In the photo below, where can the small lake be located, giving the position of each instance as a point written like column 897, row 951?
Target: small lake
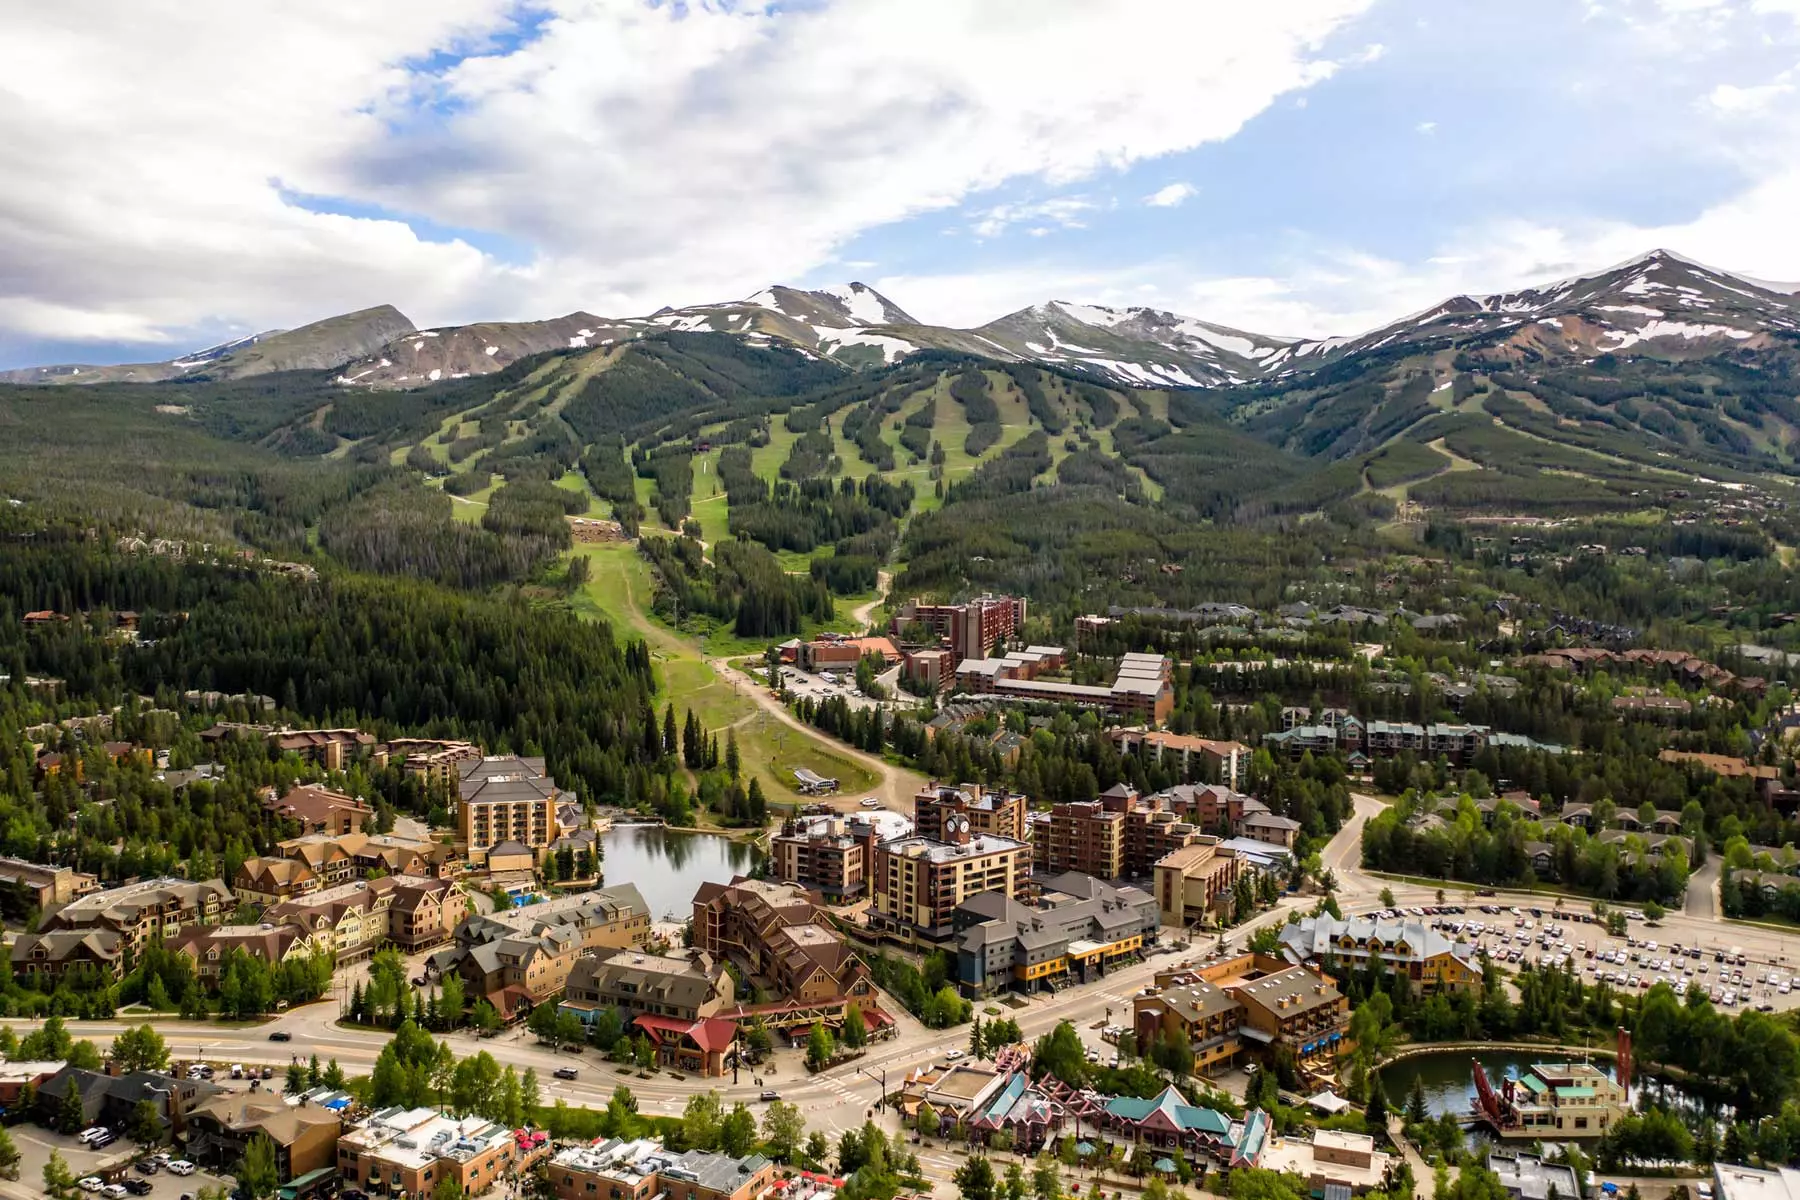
column 668, row 866
column 1449, row 1081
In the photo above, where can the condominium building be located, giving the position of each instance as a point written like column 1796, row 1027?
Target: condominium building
column 332, row 749
column 1296, row 1009
column 989, row 811
column 520, row 958
column 55, row 953
column 778, row 938
column 1430, row 960
column 506, row 799
column 353, row 920
column 1193, row 885
column 414, row 1151
column 338, row 857
column 636, row 984
column 1186, row 1007
column 1196, row 757
column 211, row 946
column 436, row 762
column 639, row 1170
column 829, row 855
column 1083, row 835
column 918, row 882
column 151, row 909
column 266, row 880
column 1079, row 929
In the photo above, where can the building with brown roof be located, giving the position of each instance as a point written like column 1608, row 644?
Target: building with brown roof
column 520, row 958
column 57, row 952
column 506, row 799
column 417, row 1152
column 353, row 920
column 1722, row 765
column 1082, row 835
column 340, row 857
column 775, row 934
column 842, row 653
column 220, row 1127
column 211, row 945
column 1297, row 1009
column 1215, row 761
column 970, row 630
column 434, row 760
column 320, row 810
column 1189, row 1009
column 332, row 749
column 42, row 886
column 639, row 1170
column 687, row 989
column 266, row 880
column 146, row 910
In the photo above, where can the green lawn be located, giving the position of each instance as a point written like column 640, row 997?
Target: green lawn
column 618, row 590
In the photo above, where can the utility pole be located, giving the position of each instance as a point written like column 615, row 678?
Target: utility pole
column 880, row 1100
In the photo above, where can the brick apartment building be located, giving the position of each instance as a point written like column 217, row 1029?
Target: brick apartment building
column 970, row 629
column 989, row 811
column 831, row 856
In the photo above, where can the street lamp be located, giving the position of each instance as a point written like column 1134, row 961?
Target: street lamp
column 882, row 1080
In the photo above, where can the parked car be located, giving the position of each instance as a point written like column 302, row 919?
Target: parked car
column 90, row 1183
column 115, row 1190
column 86, row 1136
column 138, row 1187
column 146, row 1166
column 953, row 1055
column 566, row 1073
column 103, row 1141
column 181, row 1166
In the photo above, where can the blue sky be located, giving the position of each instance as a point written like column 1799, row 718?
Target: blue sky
column 200, row 170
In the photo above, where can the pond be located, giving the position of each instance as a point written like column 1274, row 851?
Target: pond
column 1449, row 1082
column 668, row 866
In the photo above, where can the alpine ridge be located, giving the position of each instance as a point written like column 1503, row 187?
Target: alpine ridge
column 1659, row 304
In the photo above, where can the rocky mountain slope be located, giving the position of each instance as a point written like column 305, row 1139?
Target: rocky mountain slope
column 320, row 346
column 1659, row 305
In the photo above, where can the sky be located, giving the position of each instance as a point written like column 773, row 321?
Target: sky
column 174, row 173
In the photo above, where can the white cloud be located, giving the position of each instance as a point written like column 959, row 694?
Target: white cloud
column 1730, row 98
column 1063, row 212
column 1171, row 195
column 638, row 154
column 1425, row 127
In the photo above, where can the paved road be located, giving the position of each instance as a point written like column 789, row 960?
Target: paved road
column 1703, row 891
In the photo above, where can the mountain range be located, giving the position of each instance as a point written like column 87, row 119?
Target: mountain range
column 1659, row 305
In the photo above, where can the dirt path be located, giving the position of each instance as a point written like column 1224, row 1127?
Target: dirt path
column 860, row 616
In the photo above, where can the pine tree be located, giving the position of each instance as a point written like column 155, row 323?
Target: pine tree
column 668, row 736
column 733, row 763
column 758, row 805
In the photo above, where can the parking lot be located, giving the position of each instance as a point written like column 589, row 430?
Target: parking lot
column 112, row 1163
column 1520, row 935
column 837, row 685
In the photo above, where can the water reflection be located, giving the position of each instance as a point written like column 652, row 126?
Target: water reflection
column 668, row 866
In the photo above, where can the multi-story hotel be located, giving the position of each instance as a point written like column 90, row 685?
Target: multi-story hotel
column 775, row 935
column 506, row 799
column 1084, row 835
column 521, row 958
column 320, row 810
column 970, row 629
column 1252, row 1003
column 918, row 882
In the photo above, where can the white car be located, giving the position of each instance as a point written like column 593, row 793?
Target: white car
column 90, row 1183
column 115, row 1190
column 953, row 1055
column 181, row 1166
column 870, row 802
column 87, row 1135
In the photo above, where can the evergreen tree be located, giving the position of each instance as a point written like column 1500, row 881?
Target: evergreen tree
column 733, row 763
